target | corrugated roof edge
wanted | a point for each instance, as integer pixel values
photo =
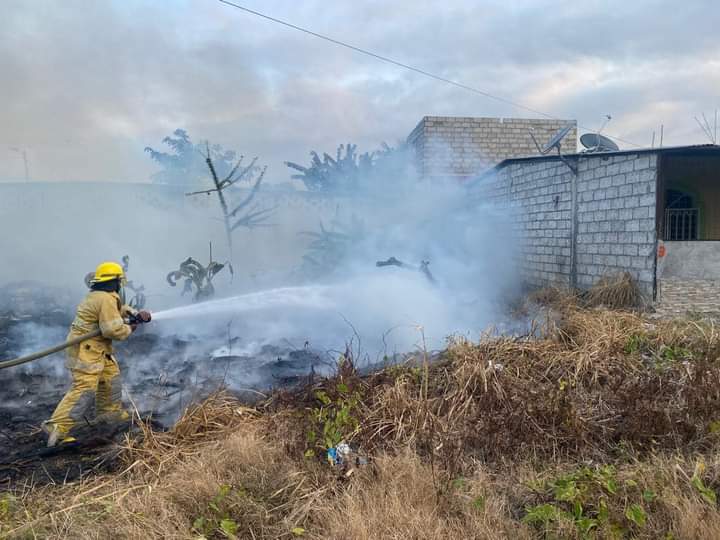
(704, 148)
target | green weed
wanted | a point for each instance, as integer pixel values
(637, 343)
(334, 420)
(217, 518)
(587, 498)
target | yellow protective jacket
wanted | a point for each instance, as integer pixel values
(103, 310)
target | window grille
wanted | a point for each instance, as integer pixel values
(681, 224)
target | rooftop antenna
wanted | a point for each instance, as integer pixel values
(605, 123)
(23, 152)
(707, 129)
(554, 142)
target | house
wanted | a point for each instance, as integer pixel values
(653, 212)
(460, 147)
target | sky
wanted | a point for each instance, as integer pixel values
(86, 85)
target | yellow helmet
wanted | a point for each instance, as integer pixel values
(108, 271)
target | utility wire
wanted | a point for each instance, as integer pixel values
(407, 66)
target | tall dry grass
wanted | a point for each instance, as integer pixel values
(606, 427)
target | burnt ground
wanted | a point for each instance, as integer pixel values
(161, 376)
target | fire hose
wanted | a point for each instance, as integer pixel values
(133, 320)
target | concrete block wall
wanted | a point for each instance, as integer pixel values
(465, 146)
(538, 194)
(616, 218)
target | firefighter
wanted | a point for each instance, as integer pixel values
(94, 369)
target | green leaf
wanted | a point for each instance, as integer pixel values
(323, 397)
(7, 504)
(542, 514)
(479, 503)
(636, 514)
(298, 531)
(649, 495)
(630, 483)
(229, 527)
(634, 344)
(586, 524)
(706, 493)
(199, 524)
(603, 513)
(343, 388)
(535, 485)
(458, 483)
(715, 426)
(611, 486)
(577, 509)
(309, 453)
(566, 490)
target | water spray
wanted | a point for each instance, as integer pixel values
(309, 296)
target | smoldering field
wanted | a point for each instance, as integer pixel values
(276, 319)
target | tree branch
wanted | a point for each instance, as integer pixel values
(251, 195)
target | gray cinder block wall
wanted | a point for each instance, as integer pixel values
(538, 195)
(575, 229)
(448, 146)
(616, 218)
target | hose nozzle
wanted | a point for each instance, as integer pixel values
(141, 317)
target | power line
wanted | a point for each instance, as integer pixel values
(406, 66)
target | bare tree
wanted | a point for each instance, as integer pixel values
(246, 213)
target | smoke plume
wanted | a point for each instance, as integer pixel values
(272, 321)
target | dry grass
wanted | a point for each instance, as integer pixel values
(619, 291)
(613, 291)
(608, 424)
(602, 383)
(240, 474)
(555, 297)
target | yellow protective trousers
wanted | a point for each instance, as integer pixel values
(102, 386)
(95, 372)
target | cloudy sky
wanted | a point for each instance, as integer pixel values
(87, 84)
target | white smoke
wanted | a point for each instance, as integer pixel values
(268, 308)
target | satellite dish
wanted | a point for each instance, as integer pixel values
(554, 141)
(594, 142)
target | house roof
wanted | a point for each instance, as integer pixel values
(697, 149)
